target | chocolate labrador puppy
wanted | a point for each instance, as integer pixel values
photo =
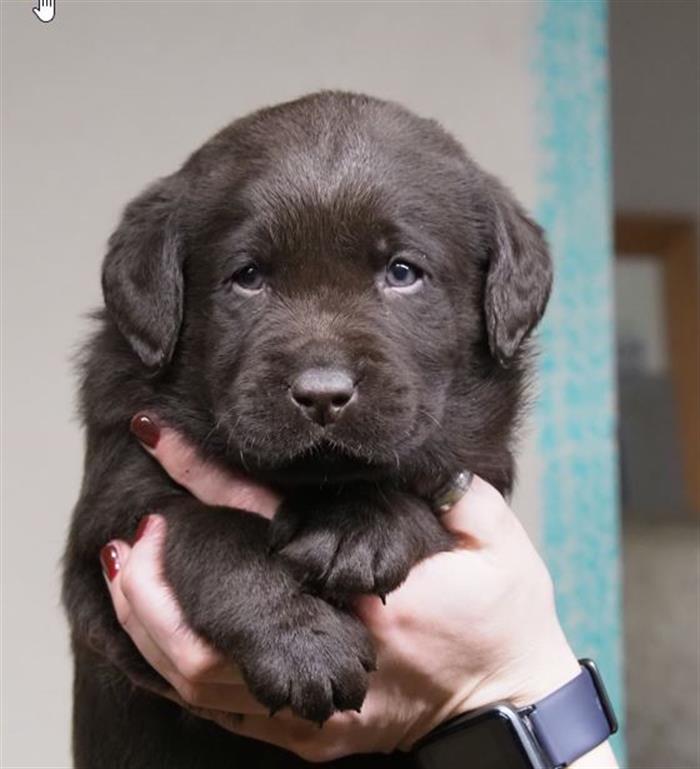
(331, 296)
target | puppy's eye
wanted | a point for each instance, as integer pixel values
(249, 278)
(402, 274)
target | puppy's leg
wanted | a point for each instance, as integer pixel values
(293, 648)
(362, 539)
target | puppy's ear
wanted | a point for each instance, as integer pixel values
(142, 278)
(519, 278)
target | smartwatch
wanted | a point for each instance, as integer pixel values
(550, 734)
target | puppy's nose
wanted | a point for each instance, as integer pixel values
(323, 393)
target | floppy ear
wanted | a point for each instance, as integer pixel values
(519, 278)
(142, 274)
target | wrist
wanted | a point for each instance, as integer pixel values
(521, 682)
(601, 757)
(568, 726)
(526, 679)
(543, 673)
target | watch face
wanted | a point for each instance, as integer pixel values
(489, 742)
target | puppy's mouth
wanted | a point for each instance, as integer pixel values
(324, 462)
(367, 446)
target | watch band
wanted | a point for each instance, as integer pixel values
(574, 719)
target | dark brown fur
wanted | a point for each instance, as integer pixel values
(321, 193)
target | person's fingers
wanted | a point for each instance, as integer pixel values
(208, 482)
(153, 605)
(229, 699)
(114, 557)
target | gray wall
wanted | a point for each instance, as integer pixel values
(654, 72)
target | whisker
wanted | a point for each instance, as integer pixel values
(430, 416)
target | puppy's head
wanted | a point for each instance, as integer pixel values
(325, 278)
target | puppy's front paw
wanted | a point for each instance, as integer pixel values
(339, 564)
(315, 667)
(351, 545)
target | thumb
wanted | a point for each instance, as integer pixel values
(37, 12)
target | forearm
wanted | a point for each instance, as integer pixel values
(601, 757)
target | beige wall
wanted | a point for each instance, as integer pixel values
(97, 103)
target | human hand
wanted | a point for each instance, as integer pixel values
(467, 628)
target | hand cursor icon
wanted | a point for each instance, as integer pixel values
(45, 10)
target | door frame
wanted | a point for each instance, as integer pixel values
(673, 242)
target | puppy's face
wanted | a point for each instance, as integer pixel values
(329, 331)
(322, 281)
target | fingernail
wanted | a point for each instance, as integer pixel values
(141, 528)
(109, 558)
(145, 429)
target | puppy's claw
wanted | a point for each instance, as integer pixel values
(382, 598)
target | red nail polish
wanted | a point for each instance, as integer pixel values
(145, 429)
(109, 558)
(141, 528)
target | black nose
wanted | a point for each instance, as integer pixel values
(323, 393)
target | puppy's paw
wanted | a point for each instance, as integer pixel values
(353, 544)
(338, 565)
(315, 668)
